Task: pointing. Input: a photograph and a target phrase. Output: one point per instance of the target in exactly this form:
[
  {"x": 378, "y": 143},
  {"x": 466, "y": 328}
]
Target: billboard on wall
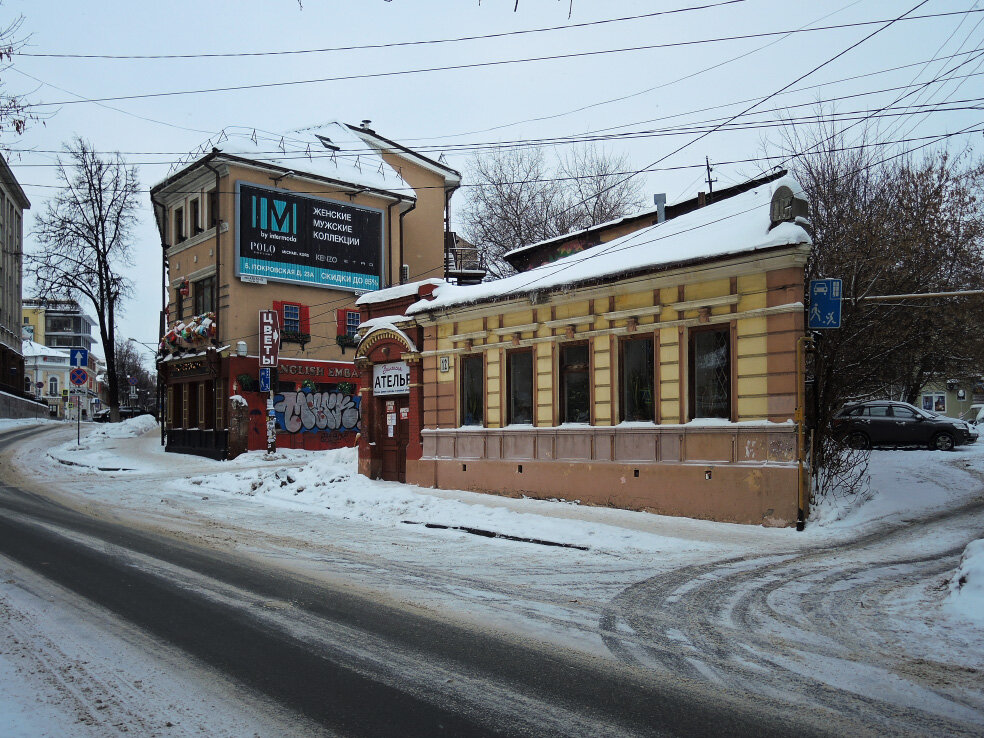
[{"x": 285, "y": 237}]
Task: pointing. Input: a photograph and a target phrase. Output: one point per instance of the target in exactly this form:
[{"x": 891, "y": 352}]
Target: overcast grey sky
[{"x": 685, "y": 77}]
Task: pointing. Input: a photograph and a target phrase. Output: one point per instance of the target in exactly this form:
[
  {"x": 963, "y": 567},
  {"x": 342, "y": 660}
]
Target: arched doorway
[{"x": 389, "y": 364}]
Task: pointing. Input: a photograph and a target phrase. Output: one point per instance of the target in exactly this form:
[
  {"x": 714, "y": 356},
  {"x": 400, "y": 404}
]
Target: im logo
[{"x": 274, "y": 215}]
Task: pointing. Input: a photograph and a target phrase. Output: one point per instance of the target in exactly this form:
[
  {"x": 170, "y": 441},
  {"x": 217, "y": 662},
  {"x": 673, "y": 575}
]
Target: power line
[
  {"x": 679, "y": 167},
  {"x": 605, "y": 250},
  {"x": 480, "y": 65},
  {"x": 756, "y": 104},
  {"x": 280, "y": 154},
  {"x": 395, "y": 44}
]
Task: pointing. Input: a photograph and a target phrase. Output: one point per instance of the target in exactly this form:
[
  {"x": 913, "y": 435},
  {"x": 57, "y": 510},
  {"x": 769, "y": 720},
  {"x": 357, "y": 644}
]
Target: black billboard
[{"x": 287, "y": 237}]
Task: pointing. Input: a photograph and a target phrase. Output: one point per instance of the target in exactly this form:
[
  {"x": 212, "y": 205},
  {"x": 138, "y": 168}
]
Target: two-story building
[
  {"x": 61, "y": 325},
  {"x": 654, "y": 371},
  {"x": 299, "y": 228}
]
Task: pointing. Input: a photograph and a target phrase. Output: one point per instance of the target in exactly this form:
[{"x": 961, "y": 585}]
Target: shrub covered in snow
[{"x": 967, "y": 585}]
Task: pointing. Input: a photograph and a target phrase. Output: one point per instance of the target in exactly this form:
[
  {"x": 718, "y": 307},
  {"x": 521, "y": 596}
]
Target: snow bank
[
  {"x": 966, "y": 596},
  {"x": 99, "y": 448},
  {"x": 901, "y": 484},
  {"x": 329, "y": 484},
  {"x": 130, "y": 428},
  {"x": 12, "y": 423}
]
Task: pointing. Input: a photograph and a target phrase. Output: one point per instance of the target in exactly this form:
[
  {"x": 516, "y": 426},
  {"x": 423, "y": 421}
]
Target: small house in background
[
  {"x": 652, "y": 371},
  {"x": 299, "y": 228},
  {"x": 954, "y": 398}
]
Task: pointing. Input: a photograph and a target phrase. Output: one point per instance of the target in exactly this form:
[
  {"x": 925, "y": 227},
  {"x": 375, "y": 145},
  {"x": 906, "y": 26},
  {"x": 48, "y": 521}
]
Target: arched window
[{"x": 53, "y": 386}]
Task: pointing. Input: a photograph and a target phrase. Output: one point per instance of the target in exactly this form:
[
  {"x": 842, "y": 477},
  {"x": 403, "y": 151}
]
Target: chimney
[
  {"x": 701, "y": 199},
  {"x": 659, "y": 200}
]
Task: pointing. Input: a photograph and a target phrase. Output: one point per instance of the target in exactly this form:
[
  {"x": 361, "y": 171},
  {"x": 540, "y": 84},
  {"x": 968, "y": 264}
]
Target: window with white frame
[
  {"x": 52, "y": 386},
  {"x": 292, "y": 318},
  {"x": 352, "y": 322}
]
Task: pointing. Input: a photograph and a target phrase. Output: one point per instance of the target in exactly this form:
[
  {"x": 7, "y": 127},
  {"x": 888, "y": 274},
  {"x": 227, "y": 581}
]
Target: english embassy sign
[{"x": 286, "y": 237}]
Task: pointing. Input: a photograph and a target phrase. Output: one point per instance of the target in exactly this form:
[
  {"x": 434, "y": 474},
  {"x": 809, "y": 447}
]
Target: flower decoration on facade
[{"x": 190, "y": 334}]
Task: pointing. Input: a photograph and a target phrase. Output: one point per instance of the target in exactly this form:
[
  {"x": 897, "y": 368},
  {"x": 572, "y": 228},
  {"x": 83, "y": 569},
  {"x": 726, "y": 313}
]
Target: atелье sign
[{"x": 392, "y": 378}]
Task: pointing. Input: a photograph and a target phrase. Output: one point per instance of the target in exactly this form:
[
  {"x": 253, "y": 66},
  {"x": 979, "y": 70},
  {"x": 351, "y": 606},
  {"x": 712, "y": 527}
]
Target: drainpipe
[
  {"x": 403, "y": 213},
  {"x": 218, "y": 291},
  {"x": 161, "y": 227},
  {"x": 447, "y": 228},
  {"x": 800, "y": 417},
  {"x": 218, "y": 244}
]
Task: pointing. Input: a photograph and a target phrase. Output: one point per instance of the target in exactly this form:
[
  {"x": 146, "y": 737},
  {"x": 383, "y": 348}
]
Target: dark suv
[
  {"x": 126, "y": 412},
  {"x": 886, "y": 423}
]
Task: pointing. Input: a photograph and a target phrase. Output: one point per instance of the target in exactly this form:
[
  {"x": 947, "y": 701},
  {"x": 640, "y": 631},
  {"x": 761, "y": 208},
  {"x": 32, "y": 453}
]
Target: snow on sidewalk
[{"x": 903, "y": 484}]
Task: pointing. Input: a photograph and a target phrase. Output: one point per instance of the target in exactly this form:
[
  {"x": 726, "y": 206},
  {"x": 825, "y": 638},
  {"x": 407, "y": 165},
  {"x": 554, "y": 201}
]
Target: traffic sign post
[
  {"x": 78, "y": 377},
  {"x": 825, "y": 303},
  {"x": 265, "y": 379}
]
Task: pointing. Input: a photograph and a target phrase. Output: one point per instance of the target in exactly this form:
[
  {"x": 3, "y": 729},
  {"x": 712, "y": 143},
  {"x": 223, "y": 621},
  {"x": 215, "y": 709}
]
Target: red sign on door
[{"x": 269, "y": 337}]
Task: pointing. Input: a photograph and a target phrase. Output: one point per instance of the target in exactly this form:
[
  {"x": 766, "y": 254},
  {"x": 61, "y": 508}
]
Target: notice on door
[{"x": 391, "y": 379}]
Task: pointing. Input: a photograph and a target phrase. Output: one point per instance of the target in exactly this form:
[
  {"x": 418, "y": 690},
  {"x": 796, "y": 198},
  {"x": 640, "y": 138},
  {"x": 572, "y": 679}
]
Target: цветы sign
[{"x": 286, "y": 237}]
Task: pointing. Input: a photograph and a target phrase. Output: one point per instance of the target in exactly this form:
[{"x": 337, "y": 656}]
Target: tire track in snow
[{"x": 808, "y": 627}]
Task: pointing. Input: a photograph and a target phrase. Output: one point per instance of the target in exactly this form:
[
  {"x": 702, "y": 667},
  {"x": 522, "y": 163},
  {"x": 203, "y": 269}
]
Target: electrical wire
[
  {"x": 395, "y": 44},
  {"x": 481, "y": 65}
]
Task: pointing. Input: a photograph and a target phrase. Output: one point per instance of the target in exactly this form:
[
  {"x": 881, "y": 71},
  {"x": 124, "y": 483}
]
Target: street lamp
[{"x": 152, "y": 349}]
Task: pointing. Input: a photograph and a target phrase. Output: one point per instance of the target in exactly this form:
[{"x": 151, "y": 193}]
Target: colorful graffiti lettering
[{"x": 312, "y": 412}]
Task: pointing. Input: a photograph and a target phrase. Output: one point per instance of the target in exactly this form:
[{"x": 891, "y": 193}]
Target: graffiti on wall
[{"x": 312, "y": 412}]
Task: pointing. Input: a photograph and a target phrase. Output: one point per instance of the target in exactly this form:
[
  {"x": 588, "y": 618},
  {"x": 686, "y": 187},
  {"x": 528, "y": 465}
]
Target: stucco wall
[
  {"x": 18, "y": 407},
  {"x": 742, "y": 474}
]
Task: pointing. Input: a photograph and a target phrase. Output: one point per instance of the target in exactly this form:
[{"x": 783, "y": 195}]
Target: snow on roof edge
[{"x": 737, "y": 225}]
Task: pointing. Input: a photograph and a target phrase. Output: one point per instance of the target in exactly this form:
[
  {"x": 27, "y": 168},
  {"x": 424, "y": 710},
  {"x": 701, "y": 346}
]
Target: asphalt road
[{"x": 355, "y": 664}]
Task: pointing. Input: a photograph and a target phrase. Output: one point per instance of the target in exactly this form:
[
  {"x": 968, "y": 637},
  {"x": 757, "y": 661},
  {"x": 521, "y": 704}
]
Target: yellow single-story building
[{"x": 655, "y": 371}]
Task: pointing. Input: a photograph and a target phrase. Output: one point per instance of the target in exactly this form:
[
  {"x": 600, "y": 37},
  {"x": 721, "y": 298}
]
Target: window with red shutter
[{"x": 294, "y": 322}]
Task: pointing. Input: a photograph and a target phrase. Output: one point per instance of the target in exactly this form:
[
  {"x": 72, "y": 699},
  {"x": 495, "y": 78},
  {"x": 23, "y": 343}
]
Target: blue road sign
[
  {"x": 80, "y": 357},
  {"x": 264, "y": 379},
  {"x": 825, "y": 303}
]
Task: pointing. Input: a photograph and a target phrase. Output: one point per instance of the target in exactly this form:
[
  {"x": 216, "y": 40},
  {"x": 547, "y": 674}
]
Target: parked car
[
  {"x": 126, "y": 412},
  {"x": 887, "y": 423},
  {"x": 974, "y": 414}
]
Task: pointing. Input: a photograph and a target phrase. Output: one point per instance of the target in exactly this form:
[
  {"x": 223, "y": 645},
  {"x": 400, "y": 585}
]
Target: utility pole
[{"x": 710, "y": 182}]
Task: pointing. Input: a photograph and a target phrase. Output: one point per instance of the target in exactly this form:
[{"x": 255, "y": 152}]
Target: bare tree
[
  {"x": 520, "y": 199},
  {"x": 13, "y": 112},
  {"x": 130, "y": 366},
  {"x": 888, "y": 226},
  {"x": 85, "y": 236}
]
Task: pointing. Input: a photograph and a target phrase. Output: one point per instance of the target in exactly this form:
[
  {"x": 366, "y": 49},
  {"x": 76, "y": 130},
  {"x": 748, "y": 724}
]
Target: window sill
[{"x": 189, "y": 242}]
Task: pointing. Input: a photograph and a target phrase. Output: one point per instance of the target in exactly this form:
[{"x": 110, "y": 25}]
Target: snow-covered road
[{"x": 853, "y": 619}]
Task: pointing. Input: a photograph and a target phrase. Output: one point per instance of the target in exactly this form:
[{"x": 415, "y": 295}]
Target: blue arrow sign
[
  {"x": 80, "y": 357},
  {"x": 825, "y": 303}
]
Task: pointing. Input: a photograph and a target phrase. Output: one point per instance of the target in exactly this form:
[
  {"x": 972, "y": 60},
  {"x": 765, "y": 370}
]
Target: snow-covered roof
[
  {"x": 574, "y": 234},
  {"x": 388, "y": 323},
  {"x": 32, "y": 349},
  {"x": 451, "y": 176},
  {"x": 395, "y": 292},
  {"x": 353, "y": 163},
  {"x": 738, "y": 225}
]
